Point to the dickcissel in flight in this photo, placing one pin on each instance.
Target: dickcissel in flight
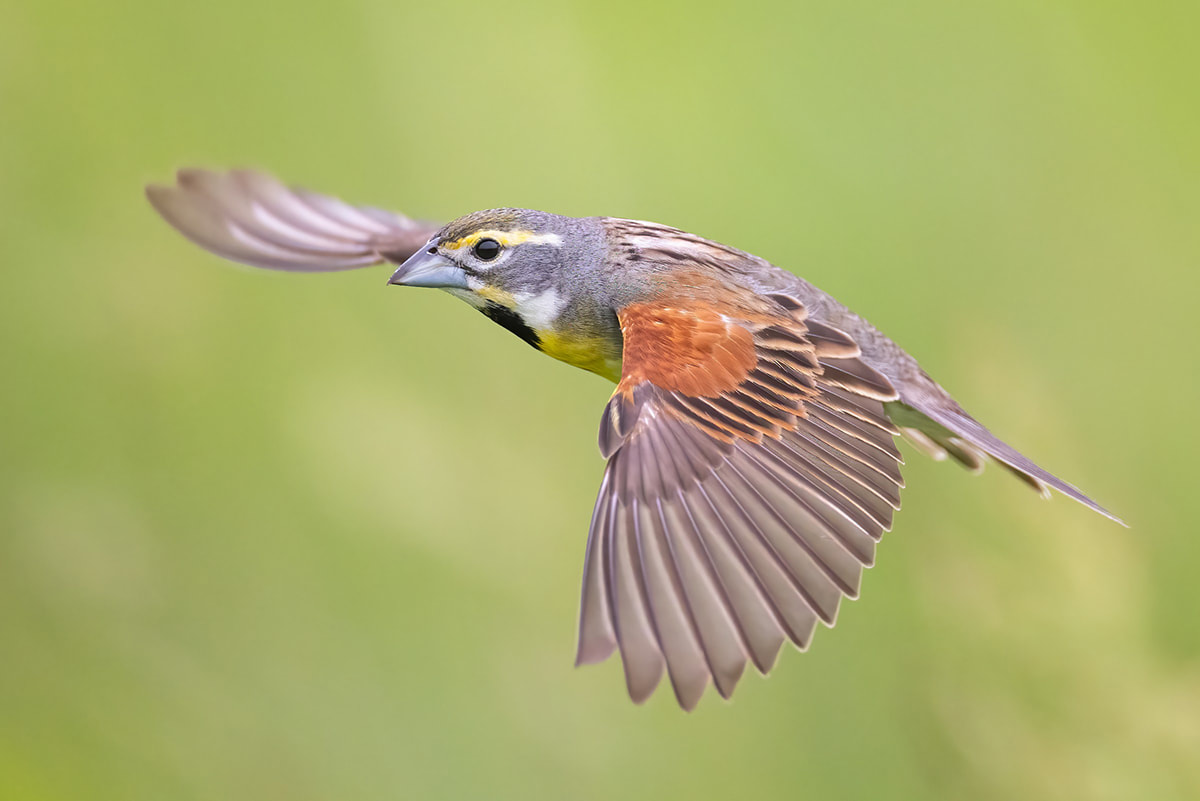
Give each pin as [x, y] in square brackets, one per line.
[752, 462]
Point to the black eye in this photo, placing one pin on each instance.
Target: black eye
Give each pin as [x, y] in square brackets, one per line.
[487, 249]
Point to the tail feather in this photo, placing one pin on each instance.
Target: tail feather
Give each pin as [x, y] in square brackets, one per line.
[946, 424]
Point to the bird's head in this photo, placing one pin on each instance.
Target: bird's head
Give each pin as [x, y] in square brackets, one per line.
[490, 253]
[537, 274]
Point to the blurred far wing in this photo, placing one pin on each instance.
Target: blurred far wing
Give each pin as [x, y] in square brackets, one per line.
[250, 217]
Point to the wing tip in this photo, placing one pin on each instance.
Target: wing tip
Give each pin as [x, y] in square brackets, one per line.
[591, 653]
[156, 196]
[641, 688]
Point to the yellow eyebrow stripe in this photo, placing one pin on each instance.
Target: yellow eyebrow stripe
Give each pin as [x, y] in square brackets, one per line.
[506, 238]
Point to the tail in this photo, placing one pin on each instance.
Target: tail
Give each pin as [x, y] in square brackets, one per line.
[940, 427]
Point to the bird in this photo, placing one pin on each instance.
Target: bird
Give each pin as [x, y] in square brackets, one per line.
[751, 439]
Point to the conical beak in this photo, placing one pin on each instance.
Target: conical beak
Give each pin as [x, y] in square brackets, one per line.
[427, 267]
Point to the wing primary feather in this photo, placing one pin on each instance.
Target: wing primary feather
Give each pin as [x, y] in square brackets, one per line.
[875, 509]
[241, 209]
[286, 209]
[766, 623]
[597, 638]
[884, 474]
[880, 444]
[238, 195]
[793, 601]
[852, 532]
[344, 213]
[712, 616]
[250, 217]
[290, 203]
[852, 447]
[300, 238]
[649, 469]
[678, 637]
[817, 527]
[867, 479]
[822, 481]
[689, 452]
[732, 582]
[196, 218]
[862, 419]
[839, 400]
[290, 254]
[721, 635]
[640, 652]
[813, 575]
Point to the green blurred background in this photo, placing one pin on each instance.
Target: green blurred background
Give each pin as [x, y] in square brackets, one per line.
[309, 537]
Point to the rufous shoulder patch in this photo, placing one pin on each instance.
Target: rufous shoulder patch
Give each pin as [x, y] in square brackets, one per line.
[693, 350]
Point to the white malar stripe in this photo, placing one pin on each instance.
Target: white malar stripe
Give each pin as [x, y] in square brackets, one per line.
[470, 294]
[539, 311]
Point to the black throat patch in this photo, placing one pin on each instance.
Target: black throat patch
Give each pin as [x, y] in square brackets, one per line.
[506, 317]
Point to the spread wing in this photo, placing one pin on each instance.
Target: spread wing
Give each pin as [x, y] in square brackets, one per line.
[252, 218]
[751, 471]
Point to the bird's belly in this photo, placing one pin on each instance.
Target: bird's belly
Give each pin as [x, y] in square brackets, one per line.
[594, 354]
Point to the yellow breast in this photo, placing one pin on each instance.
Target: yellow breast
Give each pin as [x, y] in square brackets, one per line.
[592, 354]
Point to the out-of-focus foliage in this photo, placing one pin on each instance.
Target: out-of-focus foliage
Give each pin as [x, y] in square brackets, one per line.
[311, 537]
